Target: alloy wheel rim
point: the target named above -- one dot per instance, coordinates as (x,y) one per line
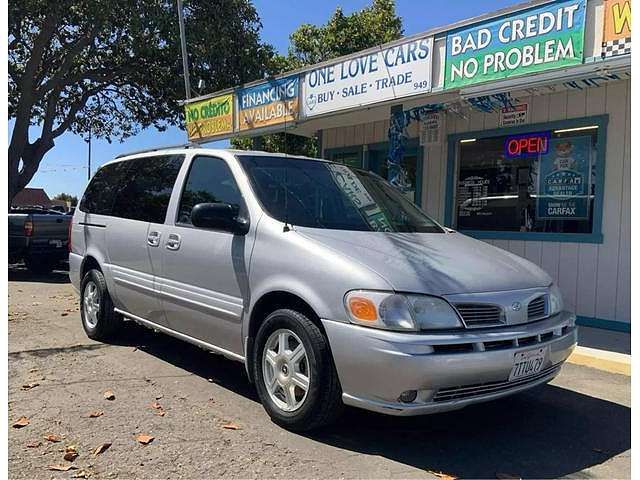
(91,304)
(285,370)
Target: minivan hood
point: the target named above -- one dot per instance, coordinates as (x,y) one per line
(433,263)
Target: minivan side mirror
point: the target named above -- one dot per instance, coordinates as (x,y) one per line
(219,216)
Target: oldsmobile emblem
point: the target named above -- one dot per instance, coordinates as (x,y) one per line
(516,306)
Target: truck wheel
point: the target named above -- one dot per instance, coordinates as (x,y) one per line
(294,372)
(40,266)
(99,320)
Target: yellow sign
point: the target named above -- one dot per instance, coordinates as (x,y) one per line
(616,38)
(209,118)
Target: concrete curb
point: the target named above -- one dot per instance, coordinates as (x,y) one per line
(612,362)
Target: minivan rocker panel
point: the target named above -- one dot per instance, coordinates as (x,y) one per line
(323,279)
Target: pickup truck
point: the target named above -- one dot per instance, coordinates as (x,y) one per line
(38,237)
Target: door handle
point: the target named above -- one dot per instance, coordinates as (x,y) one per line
(153,239)
(173,241)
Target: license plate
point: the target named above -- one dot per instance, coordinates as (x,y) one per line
(528,363)
(56,243)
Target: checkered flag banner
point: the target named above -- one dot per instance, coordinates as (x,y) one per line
(620,46)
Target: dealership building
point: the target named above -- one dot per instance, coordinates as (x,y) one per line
(512,127)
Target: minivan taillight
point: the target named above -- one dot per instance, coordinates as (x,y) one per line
(28,227)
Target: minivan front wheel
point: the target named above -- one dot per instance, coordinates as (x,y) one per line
(295,376)
(99,320)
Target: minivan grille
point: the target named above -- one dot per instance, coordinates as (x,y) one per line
(480,389)
(480,315)
(537,308)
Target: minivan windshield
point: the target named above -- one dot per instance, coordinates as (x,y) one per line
(318,194)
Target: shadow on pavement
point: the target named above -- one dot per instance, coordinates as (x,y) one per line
(216,368)
(18,273)
(546,432)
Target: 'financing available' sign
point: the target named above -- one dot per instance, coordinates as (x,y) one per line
(538,39)
(209,118)
(268,103)
(388,74)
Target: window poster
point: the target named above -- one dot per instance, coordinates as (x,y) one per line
(563,180)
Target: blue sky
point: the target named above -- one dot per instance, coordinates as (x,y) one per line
(64,167)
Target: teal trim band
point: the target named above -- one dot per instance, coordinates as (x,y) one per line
(601,145)
(615,325)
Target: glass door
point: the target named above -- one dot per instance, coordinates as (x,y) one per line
(411,162)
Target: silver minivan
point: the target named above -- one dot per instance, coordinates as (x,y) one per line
(324,280)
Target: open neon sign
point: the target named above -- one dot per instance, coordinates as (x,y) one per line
(527,145)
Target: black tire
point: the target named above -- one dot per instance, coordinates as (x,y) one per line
(323,403)
(109,322)
(39,265)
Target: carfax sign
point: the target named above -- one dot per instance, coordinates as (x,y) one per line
(394,72)
(538,39)
(268,103)
(563,180)
(209,118)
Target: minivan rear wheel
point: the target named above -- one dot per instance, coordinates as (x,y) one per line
(99,320)
(294,372)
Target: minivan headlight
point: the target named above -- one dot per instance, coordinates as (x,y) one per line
(555,300)
(394,311)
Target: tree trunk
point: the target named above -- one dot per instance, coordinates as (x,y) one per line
(31,156)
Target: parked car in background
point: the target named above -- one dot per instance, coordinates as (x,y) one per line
(324,280)
(39,238)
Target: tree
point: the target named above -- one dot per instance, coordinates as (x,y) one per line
(67,197)
(114,66)
(310,44)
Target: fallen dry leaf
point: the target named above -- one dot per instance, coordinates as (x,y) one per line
(70,456)
(62,468)
(101,448)
(96,414)
(29,386)
(507,476)
(144,439)
(34,444)
(109,395)
(21,422)
(442,476)
(231,426)
(160,413)
(52,437)
(156,405)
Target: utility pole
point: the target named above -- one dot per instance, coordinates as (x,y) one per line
(183,46)
(89,157)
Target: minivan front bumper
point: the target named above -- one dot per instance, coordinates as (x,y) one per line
(448,370)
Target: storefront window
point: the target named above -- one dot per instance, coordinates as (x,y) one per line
(351,158)
(539,181)
(378,164)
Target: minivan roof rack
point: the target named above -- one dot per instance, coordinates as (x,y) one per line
(155,149)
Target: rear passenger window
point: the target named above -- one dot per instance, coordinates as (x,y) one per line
(209,181)
(101,191)
(145,196)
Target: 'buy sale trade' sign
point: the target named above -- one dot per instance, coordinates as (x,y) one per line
(541,38)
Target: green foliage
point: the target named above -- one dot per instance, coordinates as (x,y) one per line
(310,44)
(67,197)
(115,66)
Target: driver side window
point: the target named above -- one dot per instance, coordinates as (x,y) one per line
(209,181)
